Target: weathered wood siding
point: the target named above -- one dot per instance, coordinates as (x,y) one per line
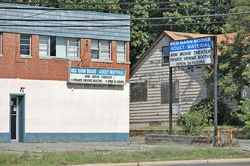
(150,69)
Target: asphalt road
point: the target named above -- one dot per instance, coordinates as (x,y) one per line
(213,164)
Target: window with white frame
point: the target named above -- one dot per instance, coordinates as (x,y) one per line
(44,46)
(25,43)
(1,43)
(73,47)
(121,52)
(59,47)
(100,49)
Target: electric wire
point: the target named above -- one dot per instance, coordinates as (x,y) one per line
(127,19)
(104,3)
(128,9)
(86,26)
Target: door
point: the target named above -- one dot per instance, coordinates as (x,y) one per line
(13,117)
(17,118)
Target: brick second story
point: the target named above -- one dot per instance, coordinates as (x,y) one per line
(47,53)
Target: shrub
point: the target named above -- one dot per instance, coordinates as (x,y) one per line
(244,115)
(202,115)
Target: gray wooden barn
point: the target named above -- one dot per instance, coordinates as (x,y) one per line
(149,84)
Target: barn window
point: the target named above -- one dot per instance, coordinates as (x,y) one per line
(165,92)
(165,55)
(138,92)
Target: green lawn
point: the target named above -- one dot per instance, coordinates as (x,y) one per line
(157,154)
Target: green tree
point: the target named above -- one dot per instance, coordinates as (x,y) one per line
(139,34)
(234,69)
(233,73)
(205,25)
(244,115)
(91,5)
(239,23)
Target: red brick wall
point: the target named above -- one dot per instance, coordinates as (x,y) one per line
(12,65)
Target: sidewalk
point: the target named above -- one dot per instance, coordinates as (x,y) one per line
(244,145)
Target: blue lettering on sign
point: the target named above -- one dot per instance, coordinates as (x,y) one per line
(193,44)
(96,71)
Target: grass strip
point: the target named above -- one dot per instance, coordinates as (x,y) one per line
(157,154)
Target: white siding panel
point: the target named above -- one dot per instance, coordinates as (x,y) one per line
(150,69)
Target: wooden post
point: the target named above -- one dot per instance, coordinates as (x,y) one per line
(230,136)
(219,137)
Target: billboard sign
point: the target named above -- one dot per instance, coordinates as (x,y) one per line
(97,76)
(197,51)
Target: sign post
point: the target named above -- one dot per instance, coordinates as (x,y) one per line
(192,52)
(215,91)
(170,130)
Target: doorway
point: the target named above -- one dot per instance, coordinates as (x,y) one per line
(17,117)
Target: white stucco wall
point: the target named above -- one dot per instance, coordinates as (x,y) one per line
(54,107)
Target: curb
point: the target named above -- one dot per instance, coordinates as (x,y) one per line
(183,162)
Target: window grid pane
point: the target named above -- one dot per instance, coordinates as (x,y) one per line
(95,49)
(100,49)
(73,48)
(104,50)
(25,44)
(1,42)
(165,54)
(121,52)
(44,45)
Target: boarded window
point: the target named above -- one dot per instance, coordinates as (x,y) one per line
(138,92)
(165,92)
(165,55)
(25,44)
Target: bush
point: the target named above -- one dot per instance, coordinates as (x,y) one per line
(244,115)
(202,115)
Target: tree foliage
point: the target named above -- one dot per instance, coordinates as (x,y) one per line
(244,115)
(142,33)
(234,72)
(239,23)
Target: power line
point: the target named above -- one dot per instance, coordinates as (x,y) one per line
(126,19)
(106,3)
(130,9)
(79,26)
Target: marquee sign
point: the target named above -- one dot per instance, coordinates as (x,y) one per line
(97,76)
(196,51)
